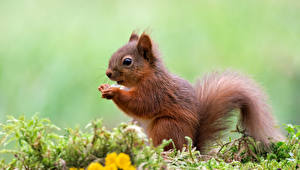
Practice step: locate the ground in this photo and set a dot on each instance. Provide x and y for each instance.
(37, 144)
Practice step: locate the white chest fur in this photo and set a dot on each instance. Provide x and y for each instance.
(144, 123)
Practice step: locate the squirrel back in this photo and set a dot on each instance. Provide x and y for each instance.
(169, 107)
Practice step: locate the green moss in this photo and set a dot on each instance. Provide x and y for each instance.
(38, 144)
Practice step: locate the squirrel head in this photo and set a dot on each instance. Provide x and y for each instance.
(134, 61)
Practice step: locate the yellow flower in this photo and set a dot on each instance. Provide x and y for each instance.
(81, 168)
(111, 158)
(130, 167)
(95, 166)
(111, 167)
(123, 160)
(72, 168)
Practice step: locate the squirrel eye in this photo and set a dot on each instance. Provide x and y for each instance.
(127, 61)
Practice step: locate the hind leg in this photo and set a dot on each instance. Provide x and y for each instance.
(167, 128)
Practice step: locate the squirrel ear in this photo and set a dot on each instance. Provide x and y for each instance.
(145, 47)
(133, 37)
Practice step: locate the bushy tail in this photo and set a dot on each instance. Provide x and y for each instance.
(220, 93)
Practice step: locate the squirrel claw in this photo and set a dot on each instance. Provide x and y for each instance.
(103, 87)
(107, 93)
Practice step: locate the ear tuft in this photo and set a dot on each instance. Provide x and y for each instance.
(145, 45)
(146, 48)
(133, 37)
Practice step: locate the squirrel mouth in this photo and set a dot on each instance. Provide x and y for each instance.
(120, 82)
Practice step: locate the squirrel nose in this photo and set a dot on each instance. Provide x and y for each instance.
(109, 74)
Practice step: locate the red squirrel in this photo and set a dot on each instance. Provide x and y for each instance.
(169, 107)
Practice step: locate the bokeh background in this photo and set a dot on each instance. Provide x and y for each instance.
(53, 53)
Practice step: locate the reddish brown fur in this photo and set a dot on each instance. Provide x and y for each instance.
(220, 93)
(168, 107)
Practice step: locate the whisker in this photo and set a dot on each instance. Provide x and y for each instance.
(100, 78)
(101, 68)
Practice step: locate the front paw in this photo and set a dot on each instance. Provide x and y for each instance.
(103, 87)
(109, 93)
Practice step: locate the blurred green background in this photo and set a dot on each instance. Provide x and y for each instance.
(53, 54)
